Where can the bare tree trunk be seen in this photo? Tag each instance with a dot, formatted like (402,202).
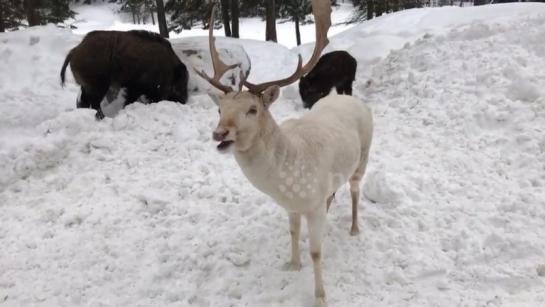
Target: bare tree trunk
(370,9)
(161,19)
(235,12)
(297,33)
(149,8)
(133,15)
(151,14)
(270,16)
(379,8)
(225,17)
(33,17)
(2,23)
(395,5)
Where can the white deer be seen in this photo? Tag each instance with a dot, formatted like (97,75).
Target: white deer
(302,162)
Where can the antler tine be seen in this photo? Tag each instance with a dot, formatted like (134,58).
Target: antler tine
(258,88)
(321,9)
(242,80)
(220,68)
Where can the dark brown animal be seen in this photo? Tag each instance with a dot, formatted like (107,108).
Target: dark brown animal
(335,69)
(140,61)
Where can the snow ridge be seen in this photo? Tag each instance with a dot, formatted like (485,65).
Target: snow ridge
(465,115)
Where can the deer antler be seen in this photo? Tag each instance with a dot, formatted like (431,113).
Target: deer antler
(220,68)
(321,9)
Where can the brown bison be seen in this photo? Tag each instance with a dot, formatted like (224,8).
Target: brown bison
(335,69)
(142,62)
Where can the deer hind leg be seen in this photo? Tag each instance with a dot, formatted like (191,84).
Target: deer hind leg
(295,230)
(316,227)
(355,194)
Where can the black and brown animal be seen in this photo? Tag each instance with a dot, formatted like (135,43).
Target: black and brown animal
(142,62)
(335,69)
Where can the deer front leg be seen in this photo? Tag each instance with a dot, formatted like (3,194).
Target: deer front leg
(316,227)
(295,231)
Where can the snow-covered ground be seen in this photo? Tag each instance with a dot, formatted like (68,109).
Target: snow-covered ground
(140,209)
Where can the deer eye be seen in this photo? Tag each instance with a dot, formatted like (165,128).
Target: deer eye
(219,111)
(252,111)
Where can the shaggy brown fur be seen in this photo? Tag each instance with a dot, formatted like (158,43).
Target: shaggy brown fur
(335,69)
(140,61)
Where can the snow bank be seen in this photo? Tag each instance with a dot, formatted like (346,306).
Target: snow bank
(459,138)
(374,39)
(140,210)
(30,78)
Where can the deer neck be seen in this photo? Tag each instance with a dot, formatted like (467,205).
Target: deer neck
(263,163)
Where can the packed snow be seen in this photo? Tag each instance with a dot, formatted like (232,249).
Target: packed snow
(141,210)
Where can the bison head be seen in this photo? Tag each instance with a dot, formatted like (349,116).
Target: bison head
(178,89)
(310,93)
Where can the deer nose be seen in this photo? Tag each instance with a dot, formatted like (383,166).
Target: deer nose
(219,135)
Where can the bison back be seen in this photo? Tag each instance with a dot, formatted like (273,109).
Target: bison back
(144,58)
(334,65)
(91,60)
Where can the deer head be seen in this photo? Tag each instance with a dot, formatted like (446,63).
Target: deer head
(242,113)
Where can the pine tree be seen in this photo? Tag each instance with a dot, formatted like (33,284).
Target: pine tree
(57,11)
(185,13)
(368,9)
(40,12)
(296,11)
(11,14)
(32,13)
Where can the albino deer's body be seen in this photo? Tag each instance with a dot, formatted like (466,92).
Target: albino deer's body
(301,163)
(304,161)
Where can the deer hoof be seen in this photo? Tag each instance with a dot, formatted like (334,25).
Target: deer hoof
(292,266)
(320,302)
(354,231)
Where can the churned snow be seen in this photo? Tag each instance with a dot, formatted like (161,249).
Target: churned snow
(141,210)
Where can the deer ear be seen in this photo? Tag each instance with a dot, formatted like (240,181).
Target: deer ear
(270,95)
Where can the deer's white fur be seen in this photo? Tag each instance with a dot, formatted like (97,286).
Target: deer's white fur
(302,162)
